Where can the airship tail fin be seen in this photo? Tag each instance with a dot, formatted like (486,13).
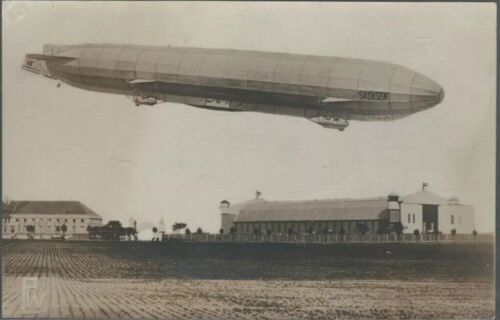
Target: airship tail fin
(42,64)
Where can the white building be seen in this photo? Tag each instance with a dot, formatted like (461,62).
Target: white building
(47,218)
(427,211)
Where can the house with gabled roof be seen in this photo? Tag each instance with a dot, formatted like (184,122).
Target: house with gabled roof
(46,218)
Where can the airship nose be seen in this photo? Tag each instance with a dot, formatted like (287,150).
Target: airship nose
(441,95)
(412,92)
(425,93)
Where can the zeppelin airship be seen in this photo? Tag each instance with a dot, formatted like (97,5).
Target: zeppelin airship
(330,91)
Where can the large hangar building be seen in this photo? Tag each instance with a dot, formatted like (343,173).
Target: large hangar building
(423,211)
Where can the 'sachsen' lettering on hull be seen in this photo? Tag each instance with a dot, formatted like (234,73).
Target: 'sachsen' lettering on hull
(373,95)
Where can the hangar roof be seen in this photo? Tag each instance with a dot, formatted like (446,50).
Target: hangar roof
(46,207)
(314,210)
(236,208)
(424,197)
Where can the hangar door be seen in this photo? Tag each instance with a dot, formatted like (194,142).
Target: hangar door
(430,218)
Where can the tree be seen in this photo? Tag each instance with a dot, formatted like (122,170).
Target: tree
(178,226)
(474,234)
(290,231)
(310,229)
(187,231)
(381,230)
(398,228)
(268,232)
(325,230)
(129,232)
(232,231)
(416,233)
(342,233)
(453,233)
(91,231)
(221,231)
(362,228)
(256,231)
(199,231)
(383,226)
(155,236)
(31,230)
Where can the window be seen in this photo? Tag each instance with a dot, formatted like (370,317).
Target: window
(452,219)
(25,220)
(74,220)
(17,220)
(413,218)
(409,218)
(82,220)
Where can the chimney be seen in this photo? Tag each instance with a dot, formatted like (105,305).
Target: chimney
(393,196)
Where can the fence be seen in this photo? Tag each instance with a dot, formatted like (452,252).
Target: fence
(330,238)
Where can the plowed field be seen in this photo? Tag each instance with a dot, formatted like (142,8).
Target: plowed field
(101,280)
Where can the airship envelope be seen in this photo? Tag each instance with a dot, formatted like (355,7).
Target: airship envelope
(330,91)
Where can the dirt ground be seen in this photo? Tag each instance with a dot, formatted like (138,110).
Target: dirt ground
(83,280)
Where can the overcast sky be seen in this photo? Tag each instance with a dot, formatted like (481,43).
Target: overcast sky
(179,162)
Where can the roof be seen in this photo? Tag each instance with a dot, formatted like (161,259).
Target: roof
(46,207)
(314,210)
(236,208)
(424,197)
